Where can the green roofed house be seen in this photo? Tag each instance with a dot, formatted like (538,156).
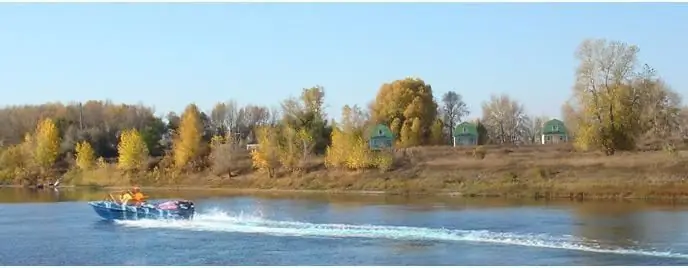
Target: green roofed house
(465,133)
(553,132)
(380,137)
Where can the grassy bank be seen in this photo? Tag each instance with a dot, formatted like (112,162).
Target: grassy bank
(527,171)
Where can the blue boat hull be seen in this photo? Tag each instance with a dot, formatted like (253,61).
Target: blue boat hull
(109,210)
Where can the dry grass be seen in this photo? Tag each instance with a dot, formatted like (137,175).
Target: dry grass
(553,171)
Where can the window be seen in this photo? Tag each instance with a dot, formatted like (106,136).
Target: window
(465,130)
(555,128)
(548,138)
(561,138)
(379,132)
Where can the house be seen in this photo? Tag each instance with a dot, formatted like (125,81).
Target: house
(380,137)
(465,133)
(553,132)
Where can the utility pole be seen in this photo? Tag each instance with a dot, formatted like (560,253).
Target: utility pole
(81,116)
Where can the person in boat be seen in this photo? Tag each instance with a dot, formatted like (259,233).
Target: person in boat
(125,197)
(137,196)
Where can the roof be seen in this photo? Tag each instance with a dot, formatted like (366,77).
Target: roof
(379,130)
(554,126)
(471,129)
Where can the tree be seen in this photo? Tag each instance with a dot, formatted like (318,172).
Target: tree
(453,109)
(399,102)
(85,157)
(306,114)
(437,133)
(221,154)
(187,145)
(613,104)
(505,119)
(47,141)
(133,151)
(534,128)
(349,148)
(266,157)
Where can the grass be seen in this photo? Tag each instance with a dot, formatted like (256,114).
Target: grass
(552,171)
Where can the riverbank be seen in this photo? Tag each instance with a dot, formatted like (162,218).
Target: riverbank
(548,172)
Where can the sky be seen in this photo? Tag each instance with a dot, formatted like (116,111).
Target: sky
(169,55)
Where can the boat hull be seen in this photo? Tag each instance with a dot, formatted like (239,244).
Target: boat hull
(109,210)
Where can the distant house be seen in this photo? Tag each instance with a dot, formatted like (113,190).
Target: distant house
(380,137)
(465,134)
(553,132)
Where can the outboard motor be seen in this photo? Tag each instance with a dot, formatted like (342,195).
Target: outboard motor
(185,208)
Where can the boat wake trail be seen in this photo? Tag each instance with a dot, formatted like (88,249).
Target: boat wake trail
(218,221)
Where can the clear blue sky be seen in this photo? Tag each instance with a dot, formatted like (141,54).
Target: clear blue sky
(167,55)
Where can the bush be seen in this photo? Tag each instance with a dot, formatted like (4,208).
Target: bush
(479,152)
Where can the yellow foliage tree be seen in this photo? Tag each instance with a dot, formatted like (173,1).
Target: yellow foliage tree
(359,156)
(133,151)
(290,148)
(266,157)
(47,142)
(612,106)
(407,135)
(400,102)
(349,148)
(336,153)
(187,144)
(14,160)
(437,133)
(85,156)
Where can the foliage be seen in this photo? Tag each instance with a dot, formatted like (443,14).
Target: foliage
(266,157)
(437,133)
(133,151)
(614,105)
(399,103)
(47,144)
(187,145)
(85,157)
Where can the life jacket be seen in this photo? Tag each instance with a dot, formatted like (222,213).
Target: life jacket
(138,197)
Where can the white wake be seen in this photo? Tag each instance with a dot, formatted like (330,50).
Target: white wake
(219,221)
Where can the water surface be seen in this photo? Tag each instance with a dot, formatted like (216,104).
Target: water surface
(47,227)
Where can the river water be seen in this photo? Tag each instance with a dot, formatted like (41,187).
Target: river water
(46,227)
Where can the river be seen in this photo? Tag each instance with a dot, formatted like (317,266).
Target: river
(46,227)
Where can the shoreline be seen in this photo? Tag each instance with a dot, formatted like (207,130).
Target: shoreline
(580,196)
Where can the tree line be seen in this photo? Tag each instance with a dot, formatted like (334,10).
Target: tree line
(616,104)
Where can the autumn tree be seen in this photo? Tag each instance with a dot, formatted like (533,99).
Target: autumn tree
(437,133)
(398,103)
(453,110)
(613,103)
(47,144)
(85,157)
(133,151)
(505,119)
(266,157)
(349,148)
(187,144)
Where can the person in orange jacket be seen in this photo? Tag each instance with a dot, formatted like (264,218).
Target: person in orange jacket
(137,196)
